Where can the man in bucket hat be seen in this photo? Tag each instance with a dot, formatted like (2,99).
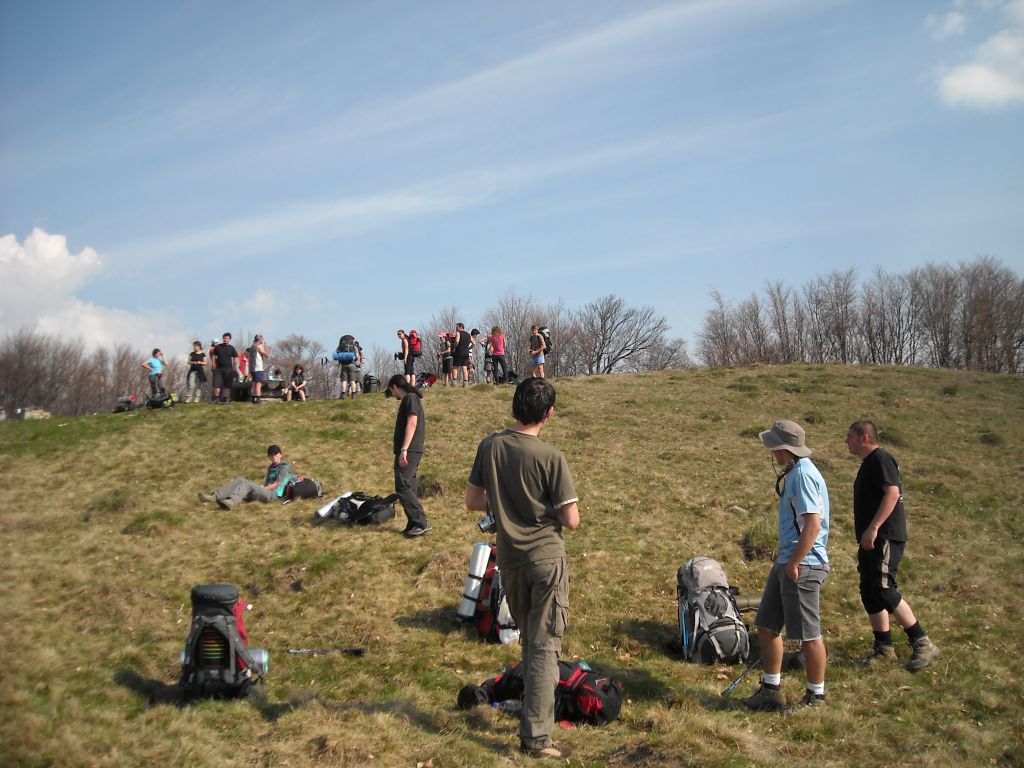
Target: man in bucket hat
(791,593)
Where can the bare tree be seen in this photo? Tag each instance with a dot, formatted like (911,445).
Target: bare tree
(716,340)
(668,355)
(381,363)
(753,337)
(614,333)
(888,319)
(937,295)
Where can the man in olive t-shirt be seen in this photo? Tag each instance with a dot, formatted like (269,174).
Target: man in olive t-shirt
(527,486)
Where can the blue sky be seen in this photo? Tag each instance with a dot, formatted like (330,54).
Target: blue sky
(170,170)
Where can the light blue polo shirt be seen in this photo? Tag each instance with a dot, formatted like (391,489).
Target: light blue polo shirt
(156,365)
(804,494)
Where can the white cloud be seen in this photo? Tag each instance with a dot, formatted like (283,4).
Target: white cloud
(947,25)
(993,77)
(38,281)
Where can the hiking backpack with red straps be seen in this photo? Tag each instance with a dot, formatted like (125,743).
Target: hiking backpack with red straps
(582,694)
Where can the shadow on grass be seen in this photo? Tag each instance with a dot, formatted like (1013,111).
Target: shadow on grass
(656,636)
(400,709)
(440,620)
(157,692)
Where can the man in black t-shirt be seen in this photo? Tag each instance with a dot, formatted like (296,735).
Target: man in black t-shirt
(880,522)
(408,441)
(460,354)
(225,364)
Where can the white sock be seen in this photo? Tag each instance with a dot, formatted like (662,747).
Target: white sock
(775,679)
(818,689)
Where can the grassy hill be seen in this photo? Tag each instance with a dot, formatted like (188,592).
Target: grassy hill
(103,537)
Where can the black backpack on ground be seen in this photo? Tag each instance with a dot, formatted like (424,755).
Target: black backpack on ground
(161,401)
(361,509)
(582,695)
(216,662)
(303,488)
(710,628)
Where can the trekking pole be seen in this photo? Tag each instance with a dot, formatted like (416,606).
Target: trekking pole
(320,651)
(743,674)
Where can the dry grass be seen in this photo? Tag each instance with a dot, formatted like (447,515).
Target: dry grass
(103,538)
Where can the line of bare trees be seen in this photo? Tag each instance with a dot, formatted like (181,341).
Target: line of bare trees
(603,336)
(969,317)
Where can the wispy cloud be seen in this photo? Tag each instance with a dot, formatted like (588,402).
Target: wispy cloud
(944,26)
(527,81)
(319,219)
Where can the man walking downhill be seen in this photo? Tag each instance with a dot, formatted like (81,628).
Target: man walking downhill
(880,522)
(527,486)
(791,594)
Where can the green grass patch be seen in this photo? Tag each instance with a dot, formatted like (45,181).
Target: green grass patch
(680,473)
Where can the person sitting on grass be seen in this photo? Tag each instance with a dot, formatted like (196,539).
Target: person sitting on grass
(297,385)
(238,490)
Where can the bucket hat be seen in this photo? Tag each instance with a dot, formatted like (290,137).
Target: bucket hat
(786,435)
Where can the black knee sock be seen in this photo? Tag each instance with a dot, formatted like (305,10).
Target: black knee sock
(915,632)
(883,638)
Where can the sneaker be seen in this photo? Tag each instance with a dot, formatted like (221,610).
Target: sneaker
(207,496)
(552,751)
(228,504)
(767,698)
(880,654)
(416,530)
(924,651)
(811,700)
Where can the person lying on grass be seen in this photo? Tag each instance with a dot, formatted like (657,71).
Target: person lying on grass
(238,490)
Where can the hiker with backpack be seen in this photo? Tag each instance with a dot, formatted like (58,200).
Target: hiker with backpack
(408,440)
(155,367)
(258,364)
(526,485)
(536,352)
(408,354)
(350,356)
(880,524)
(791,594)
(232,494)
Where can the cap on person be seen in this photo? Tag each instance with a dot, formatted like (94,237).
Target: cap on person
(787,436)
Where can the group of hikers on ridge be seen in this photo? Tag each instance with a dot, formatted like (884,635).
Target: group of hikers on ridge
(458,360)
(459,353)
(526,485)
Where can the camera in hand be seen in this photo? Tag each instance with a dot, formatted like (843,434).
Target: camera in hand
(487,524)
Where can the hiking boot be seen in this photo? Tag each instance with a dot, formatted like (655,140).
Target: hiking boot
(228,504)
(880,654)
(811,700)
(416,530)
(552,750)
(767,698)
(206,497)
(924,651)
